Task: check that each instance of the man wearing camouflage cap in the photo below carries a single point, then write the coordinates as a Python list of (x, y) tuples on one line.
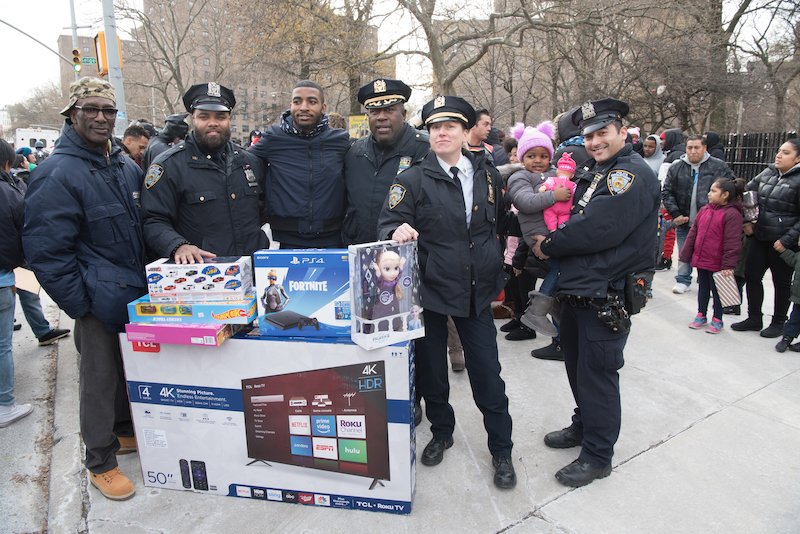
[(83, 239)]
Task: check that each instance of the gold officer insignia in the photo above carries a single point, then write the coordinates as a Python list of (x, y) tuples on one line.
[(379, 86), (490, 192), (440, 101)]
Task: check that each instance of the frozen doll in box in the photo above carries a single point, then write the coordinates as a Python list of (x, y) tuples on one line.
[(388, 267)]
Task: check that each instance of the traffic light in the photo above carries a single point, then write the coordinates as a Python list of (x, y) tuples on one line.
[(76, 60)]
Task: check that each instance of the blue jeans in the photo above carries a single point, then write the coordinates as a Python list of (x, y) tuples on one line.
[(684, 269), (32, 308), (550, 281), (7, 303)]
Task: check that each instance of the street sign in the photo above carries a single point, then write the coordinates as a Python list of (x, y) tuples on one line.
[(89, 60)]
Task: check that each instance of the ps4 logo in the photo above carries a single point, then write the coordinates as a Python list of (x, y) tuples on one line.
[(144, 392), (313, 260)]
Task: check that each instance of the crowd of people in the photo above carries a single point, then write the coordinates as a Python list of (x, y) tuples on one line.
[(492, 214)]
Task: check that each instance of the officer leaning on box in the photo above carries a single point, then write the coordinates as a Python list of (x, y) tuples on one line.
[(204, 197), (451, 202), (608, 238)]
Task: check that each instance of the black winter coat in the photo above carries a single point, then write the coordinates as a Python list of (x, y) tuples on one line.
[(12, 216), (83, 230), (779, 206), (612, 235), (368, 180), (216, 206), (677, 193), (461, 268)]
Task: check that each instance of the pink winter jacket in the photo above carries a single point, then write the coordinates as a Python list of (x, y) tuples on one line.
[(558, 213), (715, 239)]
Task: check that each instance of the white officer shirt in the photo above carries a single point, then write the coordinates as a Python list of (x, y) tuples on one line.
[(465, 172)]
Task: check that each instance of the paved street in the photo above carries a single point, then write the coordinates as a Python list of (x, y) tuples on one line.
[(711, 426)]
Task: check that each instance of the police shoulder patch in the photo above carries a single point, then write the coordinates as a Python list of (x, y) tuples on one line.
[(154, 174), (396, 194), (619, 181)]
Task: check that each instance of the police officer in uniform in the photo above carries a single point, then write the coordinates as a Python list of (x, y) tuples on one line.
[(372, 163), (451, 202), (609, 236), (203, 198), (175, 127)]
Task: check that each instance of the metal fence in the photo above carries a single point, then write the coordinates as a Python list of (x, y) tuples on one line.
[(748, 153)]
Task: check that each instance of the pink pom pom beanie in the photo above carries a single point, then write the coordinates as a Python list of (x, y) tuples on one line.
[(528, 137)]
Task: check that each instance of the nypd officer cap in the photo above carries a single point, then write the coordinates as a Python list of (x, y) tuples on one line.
[(383, 92), (592, 116), (210, 97), (448, 108), (176, 118)]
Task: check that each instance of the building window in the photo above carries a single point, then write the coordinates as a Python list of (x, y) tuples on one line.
[(206, 61)]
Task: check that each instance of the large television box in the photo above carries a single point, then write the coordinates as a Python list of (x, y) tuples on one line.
[(386, 309), (222, 278), (143, 310), (298, 422), (303, 293)]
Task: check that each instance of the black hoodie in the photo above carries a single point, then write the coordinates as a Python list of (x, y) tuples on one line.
[(714, 145), (674, 146)]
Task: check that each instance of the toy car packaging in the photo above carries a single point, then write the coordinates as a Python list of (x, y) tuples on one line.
[(223, 312), (385, 293), (303, 293), (223, 278)]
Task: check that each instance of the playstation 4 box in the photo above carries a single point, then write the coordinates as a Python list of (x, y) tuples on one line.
[(303, 293), (385, 303), (277, 420), (222, 278), (243, 312)]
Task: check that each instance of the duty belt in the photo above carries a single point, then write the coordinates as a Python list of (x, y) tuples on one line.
[(581, 302)]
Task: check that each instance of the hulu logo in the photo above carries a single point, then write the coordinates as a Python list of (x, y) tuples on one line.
[(353, 450)]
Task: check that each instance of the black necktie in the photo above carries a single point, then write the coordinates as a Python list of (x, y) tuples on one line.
[(457, 181)]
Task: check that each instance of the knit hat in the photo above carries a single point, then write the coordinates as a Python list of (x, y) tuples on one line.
[(566, 163), (86, 87), (633, 130), (528, 137)]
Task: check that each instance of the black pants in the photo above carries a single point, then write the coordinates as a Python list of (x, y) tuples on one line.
[(706, 288), (479, 338), (593, 357), (104, 409), (517, 289), (760, 258)]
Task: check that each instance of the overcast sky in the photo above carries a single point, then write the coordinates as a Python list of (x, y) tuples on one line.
[(27, 63)]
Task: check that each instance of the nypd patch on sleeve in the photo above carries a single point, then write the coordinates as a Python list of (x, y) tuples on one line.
[(619, 181), (154, 174), (396, 194)]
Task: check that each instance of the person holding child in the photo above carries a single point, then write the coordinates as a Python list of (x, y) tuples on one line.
[(713, 245)]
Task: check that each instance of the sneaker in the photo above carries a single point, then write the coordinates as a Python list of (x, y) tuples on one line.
[(680, 288), (113, 484), (520, 334), (698, 322), (773, 330), (783, 344), (513, 324), (13, 413), (748, 325), (52, 336), (715, 327), (664, 265)]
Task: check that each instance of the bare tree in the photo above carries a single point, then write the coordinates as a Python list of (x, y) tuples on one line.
[(41, 108)]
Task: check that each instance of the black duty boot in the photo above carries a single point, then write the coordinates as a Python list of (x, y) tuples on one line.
[(748, 325), (783, 344), (550, 352), (775, 329)]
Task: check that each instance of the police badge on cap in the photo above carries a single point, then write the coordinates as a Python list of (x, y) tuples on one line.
[(383, 92), (210, 97), (448, 108), (592, 116)]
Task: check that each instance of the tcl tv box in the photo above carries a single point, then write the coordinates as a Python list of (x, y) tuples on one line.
[(321, 424)]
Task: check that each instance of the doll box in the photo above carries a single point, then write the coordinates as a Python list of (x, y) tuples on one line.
[(386, 308)]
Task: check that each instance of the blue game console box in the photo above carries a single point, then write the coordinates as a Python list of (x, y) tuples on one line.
[(303, 293)]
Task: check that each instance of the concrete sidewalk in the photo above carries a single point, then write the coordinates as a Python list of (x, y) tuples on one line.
[(709, 433)]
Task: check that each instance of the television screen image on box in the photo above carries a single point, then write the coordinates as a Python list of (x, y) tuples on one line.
[(332, 419)]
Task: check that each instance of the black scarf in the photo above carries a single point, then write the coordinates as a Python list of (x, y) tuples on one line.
[(288, 127)]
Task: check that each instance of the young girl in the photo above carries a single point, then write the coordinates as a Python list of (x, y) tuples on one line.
[(535, 150), (713, 245)]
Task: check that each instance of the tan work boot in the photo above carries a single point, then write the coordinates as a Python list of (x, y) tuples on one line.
[(127, 445), (113, 484)]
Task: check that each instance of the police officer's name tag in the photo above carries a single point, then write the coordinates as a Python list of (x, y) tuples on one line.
[(396, 194), (619, 181), (154, 174), (405, 162)]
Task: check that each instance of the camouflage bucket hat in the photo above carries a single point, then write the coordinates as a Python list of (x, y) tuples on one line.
[(86, 87)]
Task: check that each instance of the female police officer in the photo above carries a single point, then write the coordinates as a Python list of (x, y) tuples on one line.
[(451, 202)]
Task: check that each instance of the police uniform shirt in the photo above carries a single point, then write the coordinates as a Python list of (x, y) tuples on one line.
[(465, 173)]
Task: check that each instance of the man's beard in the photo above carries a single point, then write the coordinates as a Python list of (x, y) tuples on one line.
[(213, 144)]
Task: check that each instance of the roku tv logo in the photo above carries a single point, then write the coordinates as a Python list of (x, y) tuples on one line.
[(351, 426)]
